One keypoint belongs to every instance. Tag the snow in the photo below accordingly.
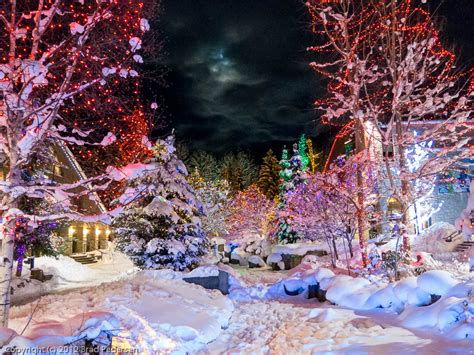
(76, 28)
(69, 274)
(54, 333)
(296, 248)
(272, 327)
(432, 240)
(406, 297)
(255, 259)
(204, 271)
(408, 292)
(152, 311)
(437, 282)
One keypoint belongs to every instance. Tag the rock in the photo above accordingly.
(220, 282)
(293, 287)
(313, 291)
(255, 261)
(38, 274)
(321, 295)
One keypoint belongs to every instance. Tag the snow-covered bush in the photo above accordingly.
(163, 229)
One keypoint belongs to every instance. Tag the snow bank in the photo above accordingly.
(436, 282)
(65, 268)
(296, 248)
(89, 326)
(433, 239)
(156, 311)
(409, 297)
(408, 292)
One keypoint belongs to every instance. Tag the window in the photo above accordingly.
(58, 170)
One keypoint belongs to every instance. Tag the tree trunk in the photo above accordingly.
(335, 248)
(351, 250)
(360, 146)
(6, 270)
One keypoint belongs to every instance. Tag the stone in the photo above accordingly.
(38, 274)
(313, 291)
(220, 282)
(321, 295)
(292, 260)
(293, 293)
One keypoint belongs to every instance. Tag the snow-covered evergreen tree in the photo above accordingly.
(163, 229)
(292, 174)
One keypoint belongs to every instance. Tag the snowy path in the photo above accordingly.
(296, 326)
(284, 328)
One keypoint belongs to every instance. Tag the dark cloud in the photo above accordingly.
(239, 74)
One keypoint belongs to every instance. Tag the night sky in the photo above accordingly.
(238, 71)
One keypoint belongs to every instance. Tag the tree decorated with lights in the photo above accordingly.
(303, 150)
(214, 196)
(57, 58)
(315, 158)
(269, 176)
(248, 215)
(162, 229)
(292, 174)
(392, 82)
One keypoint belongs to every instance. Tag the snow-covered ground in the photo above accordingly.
(273, 327)
(69, 274)
(154, 314)
(155, 311)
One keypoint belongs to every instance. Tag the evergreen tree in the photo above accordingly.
(206, 164)
(292, 174)
(303, 151)
(239, 170)
(163, 229)
(269, 177)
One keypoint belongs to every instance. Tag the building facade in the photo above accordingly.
(79, 237)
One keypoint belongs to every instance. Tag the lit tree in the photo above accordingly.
(162, 229)
(326, 207)
(292, 174)
(214, 196)
(269, 176)
(55, 56)
(315, 159)
(248, 212)
(303, 150)
(389, 76)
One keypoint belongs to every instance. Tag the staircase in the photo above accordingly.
(464, 247)
(84, 258)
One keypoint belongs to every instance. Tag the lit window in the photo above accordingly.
(58, 170)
